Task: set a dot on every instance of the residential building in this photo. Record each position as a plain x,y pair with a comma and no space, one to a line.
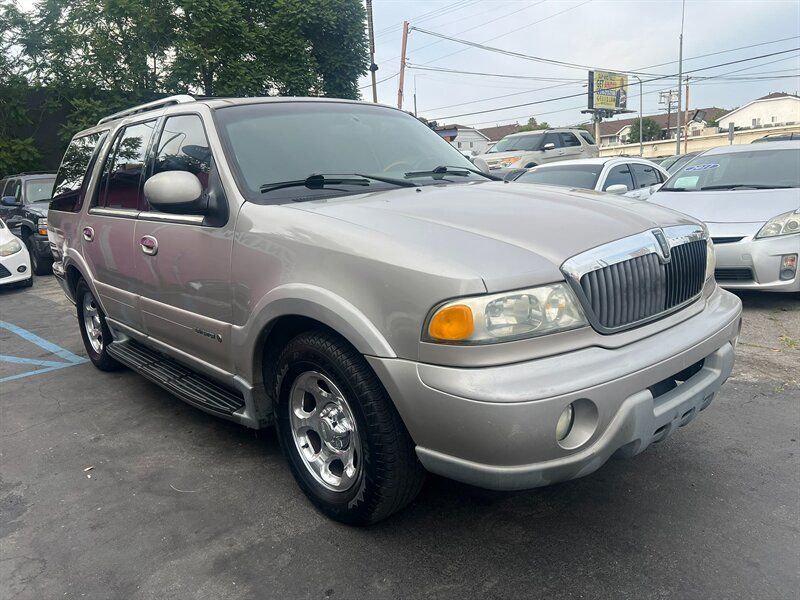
618,131
773,110
467,139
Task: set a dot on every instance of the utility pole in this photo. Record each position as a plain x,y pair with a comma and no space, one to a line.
666,97
372,66
402,65
415,94
641,94
686,120
680,77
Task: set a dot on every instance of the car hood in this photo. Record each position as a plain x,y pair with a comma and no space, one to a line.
38,208
731,206
493,156
511,234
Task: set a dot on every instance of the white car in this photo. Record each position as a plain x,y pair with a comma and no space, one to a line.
15,262
632,177
749,198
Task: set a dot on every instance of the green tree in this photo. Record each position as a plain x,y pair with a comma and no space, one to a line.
650,131
534,125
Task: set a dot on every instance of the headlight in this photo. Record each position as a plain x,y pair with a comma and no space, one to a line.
711,259
509,160
10,247
42,225
784,224
507,316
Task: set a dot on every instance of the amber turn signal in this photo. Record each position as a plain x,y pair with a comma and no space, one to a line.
452,323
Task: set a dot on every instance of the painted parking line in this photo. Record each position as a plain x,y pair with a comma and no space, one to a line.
68,359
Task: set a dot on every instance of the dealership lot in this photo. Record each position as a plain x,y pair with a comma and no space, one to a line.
109,487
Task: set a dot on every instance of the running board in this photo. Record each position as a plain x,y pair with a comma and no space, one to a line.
189,386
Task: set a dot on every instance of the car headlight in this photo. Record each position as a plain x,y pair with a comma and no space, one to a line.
784,224
41,224
711,259
503,317
509,160
10,247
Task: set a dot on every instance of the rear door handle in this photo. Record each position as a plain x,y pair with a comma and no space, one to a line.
149,245
88,234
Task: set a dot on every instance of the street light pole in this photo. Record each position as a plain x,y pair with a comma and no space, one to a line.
680,80
641,94
372,66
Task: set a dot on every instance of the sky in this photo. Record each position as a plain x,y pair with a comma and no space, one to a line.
629,35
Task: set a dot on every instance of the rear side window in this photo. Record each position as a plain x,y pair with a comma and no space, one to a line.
183,146
569,140
121,182
73,174
645,175
620,174
587,137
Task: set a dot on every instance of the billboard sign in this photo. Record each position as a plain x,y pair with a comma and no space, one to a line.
608,91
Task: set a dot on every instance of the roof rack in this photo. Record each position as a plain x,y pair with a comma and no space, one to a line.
179,99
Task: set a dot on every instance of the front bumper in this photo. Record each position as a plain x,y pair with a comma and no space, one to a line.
495,427
41,246
10,274
763,260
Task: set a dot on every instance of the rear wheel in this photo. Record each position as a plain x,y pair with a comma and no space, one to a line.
345,443
94,330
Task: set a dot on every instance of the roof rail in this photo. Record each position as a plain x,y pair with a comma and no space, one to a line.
179,99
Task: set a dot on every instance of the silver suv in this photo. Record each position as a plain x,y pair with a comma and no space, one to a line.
339,270
532,148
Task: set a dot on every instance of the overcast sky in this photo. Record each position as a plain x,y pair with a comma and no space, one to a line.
605,34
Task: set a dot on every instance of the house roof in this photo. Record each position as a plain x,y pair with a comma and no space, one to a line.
458,127
500,131
615,126
772,96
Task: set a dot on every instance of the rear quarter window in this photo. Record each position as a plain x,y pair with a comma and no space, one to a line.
73,174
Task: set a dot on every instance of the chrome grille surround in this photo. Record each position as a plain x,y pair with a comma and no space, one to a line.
641,273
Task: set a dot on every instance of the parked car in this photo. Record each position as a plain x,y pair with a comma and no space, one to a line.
389,307
632,177
24,206
532,148
673,164
749,198
15,262
778,137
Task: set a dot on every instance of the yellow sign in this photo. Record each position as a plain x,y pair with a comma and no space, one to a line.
607,90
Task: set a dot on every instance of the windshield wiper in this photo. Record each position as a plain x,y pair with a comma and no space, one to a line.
318,181
737,186
459,171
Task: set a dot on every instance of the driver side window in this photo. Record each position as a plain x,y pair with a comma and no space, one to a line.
621,174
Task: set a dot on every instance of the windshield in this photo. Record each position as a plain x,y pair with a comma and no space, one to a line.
735,170
525,143
579,176
39,190
276,142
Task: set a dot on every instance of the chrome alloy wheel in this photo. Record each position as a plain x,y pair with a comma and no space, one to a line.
91,322
324,431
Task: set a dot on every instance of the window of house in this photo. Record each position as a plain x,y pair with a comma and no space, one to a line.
645,175
773,119
756,122
620,174
459,144
121,181
471,144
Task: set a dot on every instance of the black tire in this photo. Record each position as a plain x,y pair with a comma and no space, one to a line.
39,265
390,476
101,359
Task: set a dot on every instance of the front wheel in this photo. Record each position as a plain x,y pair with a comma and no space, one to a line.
39,265
94,330
344,440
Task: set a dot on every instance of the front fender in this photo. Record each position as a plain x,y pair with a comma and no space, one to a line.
306,301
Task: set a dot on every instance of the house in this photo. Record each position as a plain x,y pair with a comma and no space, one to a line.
613,133
467,139
773,110
497,133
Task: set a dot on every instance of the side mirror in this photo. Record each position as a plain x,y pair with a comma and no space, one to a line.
10,201
655,187
176,192
617,188
549,146
482,165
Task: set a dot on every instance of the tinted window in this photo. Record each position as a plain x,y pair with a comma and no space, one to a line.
645,175
525,143
38,190
552,138
73,174
620,174
13,188
3,183
568,139
763,169
124,171
579,176
183,146
587,136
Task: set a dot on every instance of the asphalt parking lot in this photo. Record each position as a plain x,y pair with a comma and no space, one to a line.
111,488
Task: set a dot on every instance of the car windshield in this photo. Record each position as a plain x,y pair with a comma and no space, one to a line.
526,143
738,170
277,142
39,190
579,176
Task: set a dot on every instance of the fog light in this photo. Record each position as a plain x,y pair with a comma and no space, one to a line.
22,269
788,266
564,425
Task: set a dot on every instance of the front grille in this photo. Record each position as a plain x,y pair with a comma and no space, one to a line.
4,272
735,274
642,287
727,240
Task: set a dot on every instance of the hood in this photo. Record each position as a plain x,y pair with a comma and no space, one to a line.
511,234
495,156
731,206
37,208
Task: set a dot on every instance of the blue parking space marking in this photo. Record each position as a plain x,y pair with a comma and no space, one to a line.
68,358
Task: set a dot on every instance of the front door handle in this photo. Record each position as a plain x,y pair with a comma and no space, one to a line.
149,245
88,234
